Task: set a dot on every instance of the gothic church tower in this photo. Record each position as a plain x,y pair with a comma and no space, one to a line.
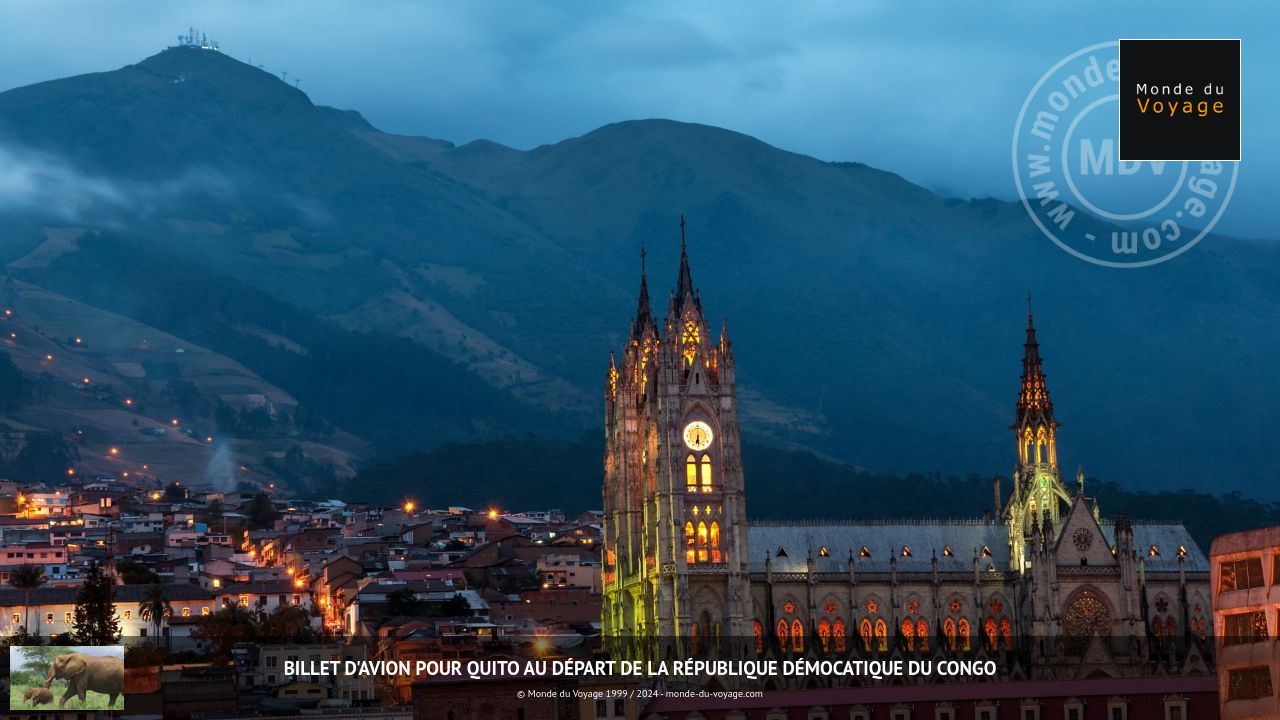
1036,506
675,575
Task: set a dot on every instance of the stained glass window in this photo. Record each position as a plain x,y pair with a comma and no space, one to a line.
715,542
702,542
784,633
991,633
965,641
824,635
949,631
909,634
1087,615
759,632
922,635
882,635
1006,632
691,473
837,629
706,473
797,636
689,538
864,631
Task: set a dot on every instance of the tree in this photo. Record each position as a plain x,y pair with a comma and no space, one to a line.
155,609
219,632
214,511
173,493
13,389
262,514
94,621
27,577
135,573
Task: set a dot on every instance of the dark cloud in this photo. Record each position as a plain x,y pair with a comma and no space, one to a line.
926,89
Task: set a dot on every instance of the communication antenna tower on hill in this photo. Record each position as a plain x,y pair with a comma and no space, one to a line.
193,39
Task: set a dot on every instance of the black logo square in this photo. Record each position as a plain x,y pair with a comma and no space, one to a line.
1179,99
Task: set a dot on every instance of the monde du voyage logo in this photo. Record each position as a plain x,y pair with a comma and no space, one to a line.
1125,153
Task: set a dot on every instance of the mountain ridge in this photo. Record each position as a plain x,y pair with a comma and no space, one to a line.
875,321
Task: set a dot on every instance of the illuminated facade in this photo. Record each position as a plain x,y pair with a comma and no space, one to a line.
1047,585
675,565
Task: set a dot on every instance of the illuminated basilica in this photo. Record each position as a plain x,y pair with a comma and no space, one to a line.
1048,586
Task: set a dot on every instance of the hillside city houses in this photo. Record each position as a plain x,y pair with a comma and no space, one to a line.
375,582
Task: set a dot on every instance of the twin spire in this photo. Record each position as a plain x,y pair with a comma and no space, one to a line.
683,295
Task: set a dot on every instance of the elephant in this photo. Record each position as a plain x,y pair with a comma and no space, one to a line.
99,673
39,696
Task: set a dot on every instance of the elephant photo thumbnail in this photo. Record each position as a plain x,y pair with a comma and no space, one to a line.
66,678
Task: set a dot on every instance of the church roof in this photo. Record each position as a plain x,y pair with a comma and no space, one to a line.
1166,538
798,540
882,541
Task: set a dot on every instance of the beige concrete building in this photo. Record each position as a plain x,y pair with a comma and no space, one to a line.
1244,575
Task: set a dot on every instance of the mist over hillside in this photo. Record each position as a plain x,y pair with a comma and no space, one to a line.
874,322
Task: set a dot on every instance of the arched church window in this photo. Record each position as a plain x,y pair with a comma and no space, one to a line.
1170,628
965,642
758,629
689,539
922,635
706,473
702,542
784,633
909,634
824,635
695,642
865,632
991,633
1006,633
882,635
837,630
715,542
797,636
691,473
1087,615
949,632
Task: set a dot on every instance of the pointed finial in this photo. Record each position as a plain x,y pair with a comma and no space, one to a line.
642,253
683,247
1029,313
1080,479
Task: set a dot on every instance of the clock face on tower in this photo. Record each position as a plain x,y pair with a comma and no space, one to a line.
697,435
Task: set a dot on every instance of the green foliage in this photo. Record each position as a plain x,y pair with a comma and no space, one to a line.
13,388
43,457
528,472
135,573
385,388
261,513
40,658
94,621
218,633
92,700
174,492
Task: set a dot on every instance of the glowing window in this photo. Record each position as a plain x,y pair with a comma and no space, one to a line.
689,550
865,632
1006,633
991,633
797,636
965,643
909,634
949,631
837,630
715,542
759,632
706,473
691,473
186,612
784,633
882,635
824,635
702,542
922,635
